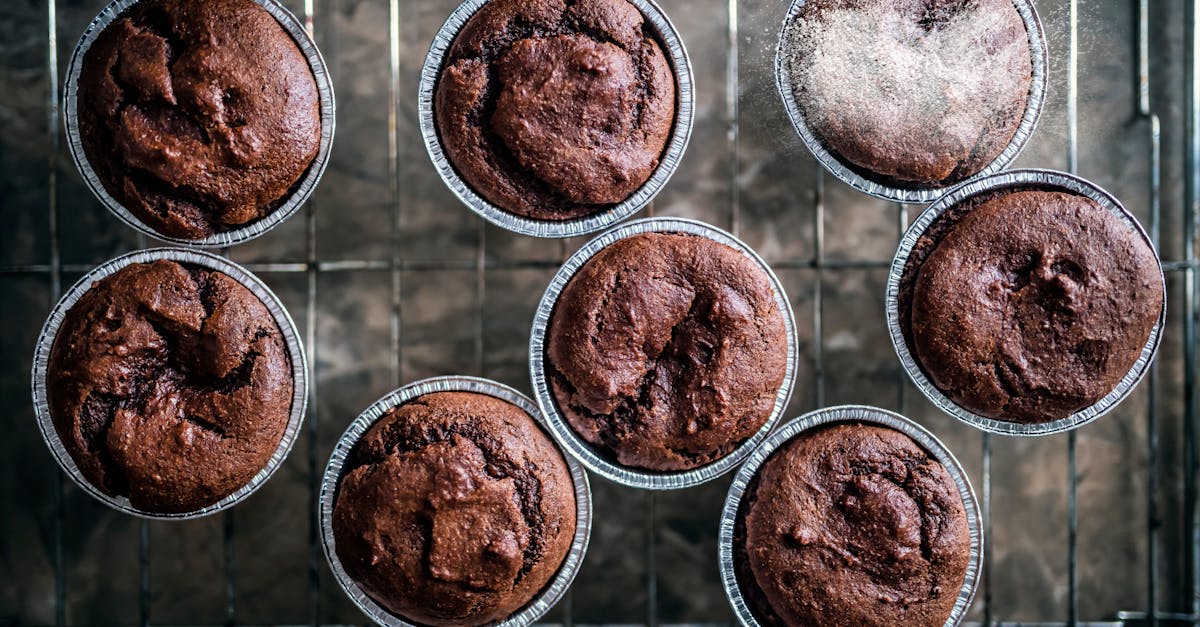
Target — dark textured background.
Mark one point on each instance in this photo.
(463, 296)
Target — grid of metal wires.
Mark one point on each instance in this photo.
(1186, 269)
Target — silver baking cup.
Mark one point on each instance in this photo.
(291, 339)
(580, 448)
(1015, 180)
(1033, 110)
(294, 201)
(680, 134)
(549, 596)
(852, 414)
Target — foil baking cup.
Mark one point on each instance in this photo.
(887, 191)
(303, 189)
(597, 461)
(291, 340)
(851, 414)
(549, 596)
(680, 134)
(1015, 180)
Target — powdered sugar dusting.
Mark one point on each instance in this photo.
(911, 97)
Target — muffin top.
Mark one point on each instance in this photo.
(853, 525)
(913, 93)
(667, 351)
(555, 110)
(1031, 305)
(198, 117)
(454, 509)
(169, 384)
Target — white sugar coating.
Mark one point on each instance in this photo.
(904, 100)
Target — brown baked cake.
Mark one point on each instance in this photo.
(198, 117)
(169, 384)
(1028, 306)
(851, 525)
(454, 509)
(555, 109)
(911, 93)
(666, 351)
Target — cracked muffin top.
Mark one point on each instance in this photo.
(198, 117)
(1028, 306)
(851, 525)
(454, 509)
(169, 384)
(666, 351)
(922, 93)
(555, 110)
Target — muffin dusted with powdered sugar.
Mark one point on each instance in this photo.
(921, 93)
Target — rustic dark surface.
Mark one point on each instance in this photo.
(459, 320)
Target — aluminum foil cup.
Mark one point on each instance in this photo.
(923, 194)
(592, 458)
(247, 232)
(291, 340)
(859, 414)
(549, 596)
(680, 134)
(1014, 180)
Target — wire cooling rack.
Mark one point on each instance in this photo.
(391, 280)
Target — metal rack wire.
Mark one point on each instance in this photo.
(1185, 271)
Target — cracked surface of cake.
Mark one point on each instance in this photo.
(1028, 305)
(169, 384)
(555, 110)
(666, 351)
(198, 117)
(851, 524)
(454, 509)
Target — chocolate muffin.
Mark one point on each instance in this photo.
(666, 351)
(454, 509)
(910, 93)
(851, 525)
(170, 384)
(1029, 305)
(198, 117)
(555, 109)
